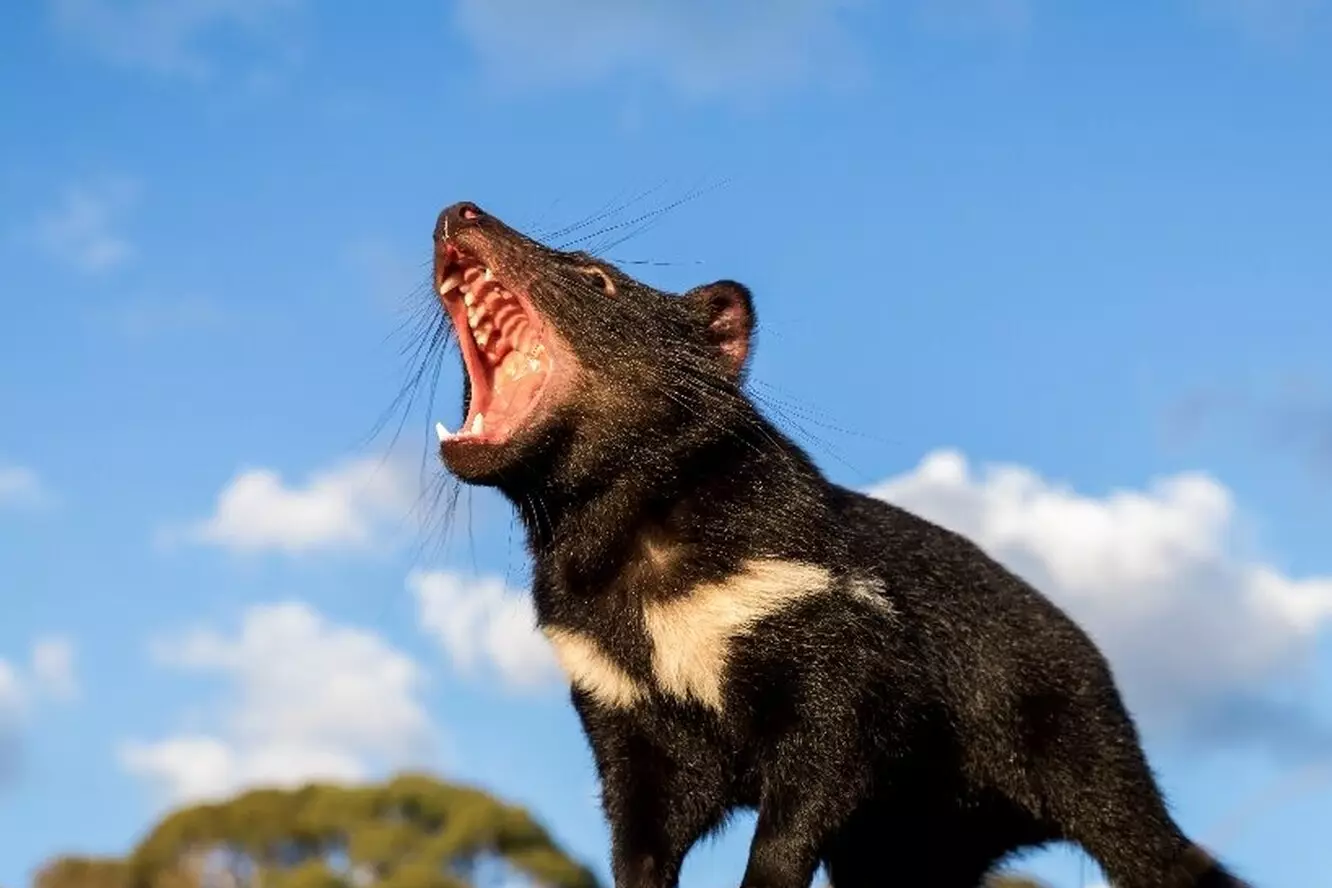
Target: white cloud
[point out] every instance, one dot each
(49, 675)
(84, 228)
(353, 505)
(165, 36)
(698, 46)
(53, 667)
(11, 703)
(481, 624)
(11, 690)
(20, 487)
(1194, 634)
(309, 700)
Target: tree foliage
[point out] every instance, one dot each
(82, 872)
(411, 832)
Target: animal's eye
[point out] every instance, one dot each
(598, 277)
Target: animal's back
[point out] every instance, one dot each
(1043, 746)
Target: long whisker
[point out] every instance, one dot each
(651, 214)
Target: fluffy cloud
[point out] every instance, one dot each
(164, 36)
(483, 626)
(353, 505)
(53, 668)
(309, 700)
(21, 488)
(1197, 637)
(698, 46)
(10, 704)
(50, 674)
(83, 229)
(11, 694)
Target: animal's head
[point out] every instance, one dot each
(574, 369)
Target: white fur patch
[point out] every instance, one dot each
(591, 670)
(871, 592)
(691, 636)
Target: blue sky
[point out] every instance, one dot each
(1055, 276)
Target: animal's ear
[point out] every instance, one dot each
(728, 308)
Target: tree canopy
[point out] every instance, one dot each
(412, 832)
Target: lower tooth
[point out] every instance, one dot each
(443, 432)
(478, 424)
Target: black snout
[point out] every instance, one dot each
(463, 214)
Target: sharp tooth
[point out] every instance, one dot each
(472, 319)
(468, 299)
(490, 275)
(481, 337)
(478, 424)
(443, 432)
(450, 283)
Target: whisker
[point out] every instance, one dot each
(602, 214)
(651, 214)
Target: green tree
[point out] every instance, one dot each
(82, 872)
(411, 832)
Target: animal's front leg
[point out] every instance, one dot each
(802, 806)
(655, 819)
(658, 799)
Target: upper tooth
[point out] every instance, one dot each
(481, 337)
(442, 431)
(450, 283)
(478, 424)
(490, 275)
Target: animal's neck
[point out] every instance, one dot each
(747, 489)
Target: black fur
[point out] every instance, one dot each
(916, 738)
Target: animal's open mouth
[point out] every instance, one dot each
(504, 349)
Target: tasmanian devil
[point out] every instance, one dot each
(738, 632)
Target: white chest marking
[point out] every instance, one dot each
(589, 669)
(692, 635)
